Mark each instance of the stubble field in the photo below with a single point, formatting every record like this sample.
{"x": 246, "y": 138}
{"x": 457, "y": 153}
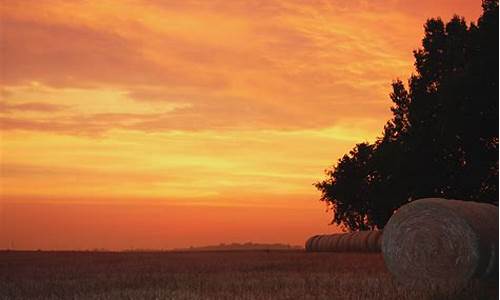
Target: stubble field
{"x": 208, "y": 275}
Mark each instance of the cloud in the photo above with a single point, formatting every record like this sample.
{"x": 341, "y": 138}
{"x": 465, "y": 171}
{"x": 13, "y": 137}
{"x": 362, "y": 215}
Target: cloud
{"x": 223, "y": 65}
{"x": 84, "y": 125}
{"x": 66, "y": 55}
{"x": 51, "y": 125}
{"x": 31, "y": 106}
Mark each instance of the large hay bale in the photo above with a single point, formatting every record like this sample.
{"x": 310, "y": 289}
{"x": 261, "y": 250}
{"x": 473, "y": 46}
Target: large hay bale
{"x": 444, "y": 243}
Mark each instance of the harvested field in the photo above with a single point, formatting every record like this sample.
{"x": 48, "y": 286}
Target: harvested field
{"x": 208, "y": 275}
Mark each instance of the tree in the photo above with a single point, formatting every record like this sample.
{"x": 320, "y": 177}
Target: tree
{"x": 442, "y": 140}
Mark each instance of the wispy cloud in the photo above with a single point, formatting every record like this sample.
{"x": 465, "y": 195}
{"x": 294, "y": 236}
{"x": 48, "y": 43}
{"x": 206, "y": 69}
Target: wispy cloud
{"x": 261, "y": 64}
{"x": 6, "y": 107}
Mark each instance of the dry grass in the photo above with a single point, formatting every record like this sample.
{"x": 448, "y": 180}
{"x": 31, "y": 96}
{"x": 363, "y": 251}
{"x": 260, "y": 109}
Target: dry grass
{"x": 207, "y": 275}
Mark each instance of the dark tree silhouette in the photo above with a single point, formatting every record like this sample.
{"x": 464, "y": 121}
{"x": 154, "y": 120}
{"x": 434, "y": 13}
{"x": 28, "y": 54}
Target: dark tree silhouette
{"x": 442, "y": 140}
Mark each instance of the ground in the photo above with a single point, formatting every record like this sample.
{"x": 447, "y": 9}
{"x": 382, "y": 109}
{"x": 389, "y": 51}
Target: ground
{"x": 208, "y": 275}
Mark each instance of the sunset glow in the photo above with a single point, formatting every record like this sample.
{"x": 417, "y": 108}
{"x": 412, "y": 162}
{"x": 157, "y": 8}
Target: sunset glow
{"x": 127, "y": 124}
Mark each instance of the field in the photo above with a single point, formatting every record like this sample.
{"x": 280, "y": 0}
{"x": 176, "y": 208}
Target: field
{"x": 207, "y": 275}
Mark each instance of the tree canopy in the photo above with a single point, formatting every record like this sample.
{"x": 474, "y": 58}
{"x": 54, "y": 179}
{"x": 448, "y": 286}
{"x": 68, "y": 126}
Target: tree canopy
{"x": 442, "y": 140}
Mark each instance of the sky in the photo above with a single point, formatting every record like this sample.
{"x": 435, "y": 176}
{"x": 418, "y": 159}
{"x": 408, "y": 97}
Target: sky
{"x": 169, "y": 124}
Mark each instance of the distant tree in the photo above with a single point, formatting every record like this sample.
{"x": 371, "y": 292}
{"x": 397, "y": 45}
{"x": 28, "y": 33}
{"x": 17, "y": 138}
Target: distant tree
{"x": 442, "y": 140}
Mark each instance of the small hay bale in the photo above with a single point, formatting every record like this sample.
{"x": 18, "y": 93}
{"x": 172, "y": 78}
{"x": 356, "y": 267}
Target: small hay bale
{"x": 358, "y": 241}
{"x": 309, "y": 242}
{"x": 322, "y": 243}
{"x": 332, "y": 242}
{"x": 378, "y": 245}
{"x": 366, "y": 241}
{"x": 319, "y": 243}
{"x": 345, "y": 246}
{"x": 314, "y": 243}
{"x": 361, "y": 241}
{"x": 372, "y": 241}
{"x": 442, "y": 243}
{"x": 341, "y": 243}
{"x": 325, "y": 243}
{"x": 354, "y": 241}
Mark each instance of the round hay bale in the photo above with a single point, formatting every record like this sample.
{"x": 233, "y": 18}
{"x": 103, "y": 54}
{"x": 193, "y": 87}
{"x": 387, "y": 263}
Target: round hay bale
{"x": 354, "y": 241}
{"x": 361, "y": 241}
{"x": 309, "y": 242}
{"x": 359, "y": 244}
{"x": 314, "y": 243}
{"x": 372, "y": 241}
{"x": 344, "y": 242}
{"x": 378, "y": 246}
{"x": 340, "y": 243}
{"x": 319, "y": 243}
{"x": 351, "y": 240}
{"x": 442, "y": 243}
{"x": 325, "y": 240}
{"x": 367, "y": 237}
{"x": 325, "y": 243}
{"x": 336, "y": 242}
{"x": 329, "y": 244}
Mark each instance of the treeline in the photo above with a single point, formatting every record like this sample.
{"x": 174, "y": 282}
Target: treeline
{"x": 442, "y": 140}
{"x": 238, "y": 246}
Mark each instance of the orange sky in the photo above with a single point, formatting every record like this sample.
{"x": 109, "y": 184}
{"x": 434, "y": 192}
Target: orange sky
{"x": 128, "y": 124}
